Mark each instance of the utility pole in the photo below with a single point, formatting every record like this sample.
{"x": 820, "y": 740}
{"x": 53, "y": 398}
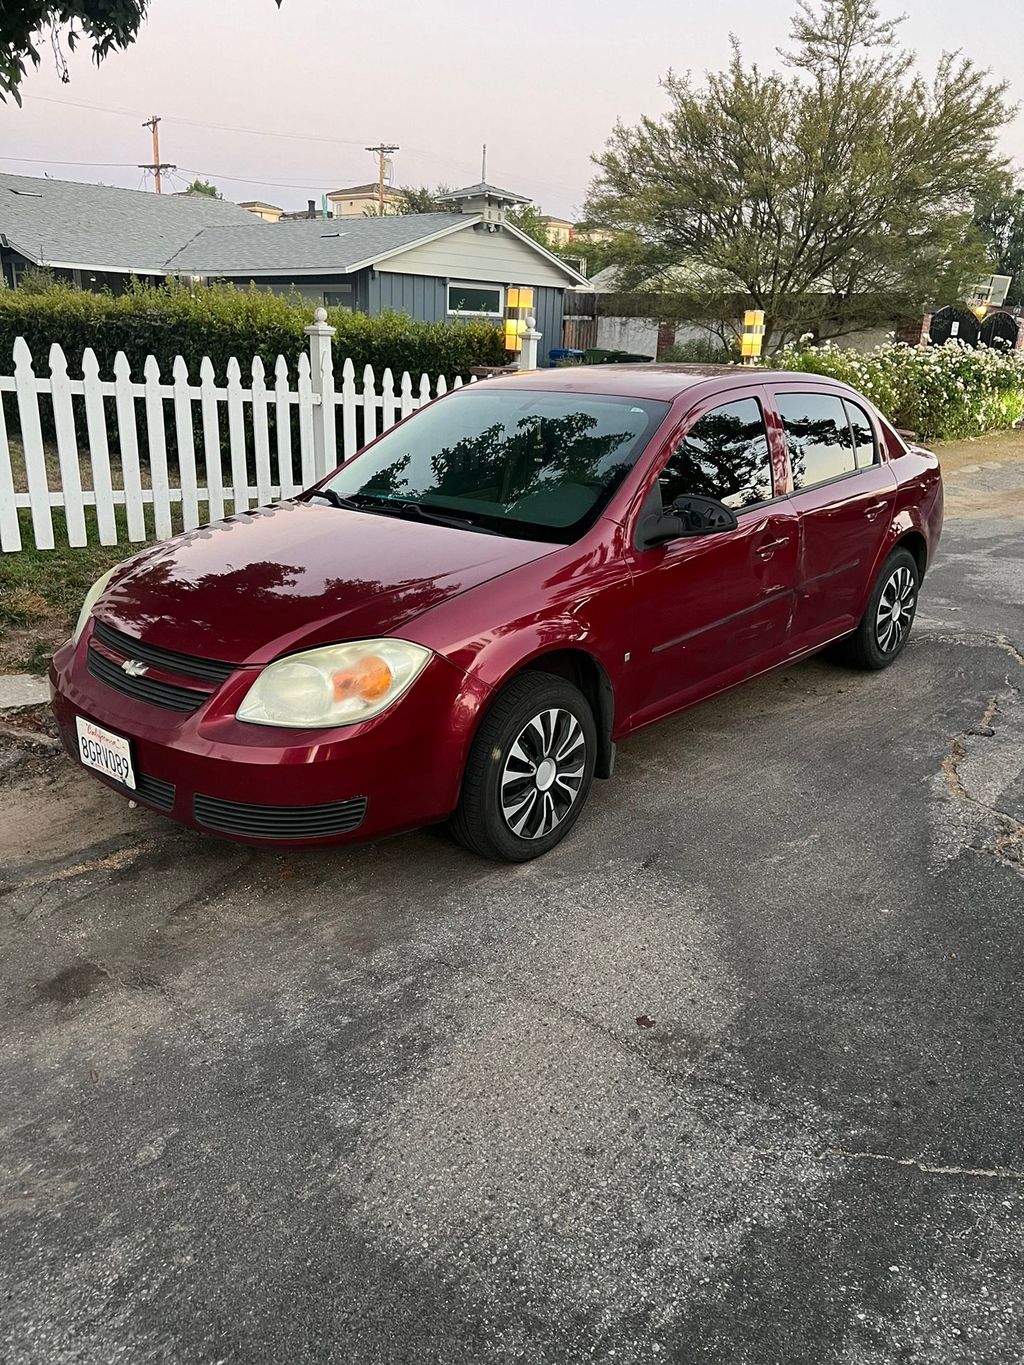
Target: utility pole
{"x": 156, "y": 165}
{"x": 382, "y": 151}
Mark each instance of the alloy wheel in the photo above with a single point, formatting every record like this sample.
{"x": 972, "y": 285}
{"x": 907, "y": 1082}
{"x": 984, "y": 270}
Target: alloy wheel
{"x": 543, "y": 773}
{"x": 895, "y": 609}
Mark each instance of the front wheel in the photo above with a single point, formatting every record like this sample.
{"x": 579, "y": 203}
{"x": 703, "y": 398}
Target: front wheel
{"x": 885, "y": 626}
{"x": 529, "y": 771}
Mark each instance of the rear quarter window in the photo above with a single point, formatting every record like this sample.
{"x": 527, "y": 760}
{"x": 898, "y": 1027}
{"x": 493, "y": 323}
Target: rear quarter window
{"x": 865, "y": 448}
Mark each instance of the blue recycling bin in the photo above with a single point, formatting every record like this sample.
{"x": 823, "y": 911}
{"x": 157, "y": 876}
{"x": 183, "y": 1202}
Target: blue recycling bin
{"x": 562, "y": 354}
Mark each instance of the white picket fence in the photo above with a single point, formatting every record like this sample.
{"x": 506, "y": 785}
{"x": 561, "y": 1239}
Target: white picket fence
{"x": 109, "y": 459}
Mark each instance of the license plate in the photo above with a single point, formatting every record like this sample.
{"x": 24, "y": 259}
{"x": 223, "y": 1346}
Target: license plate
{"x": 108, "y": 753}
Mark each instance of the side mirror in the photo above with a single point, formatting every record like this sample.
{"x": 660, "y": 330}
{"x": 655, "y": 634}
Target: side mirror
{"x": 688, "y": 516}
{"x": 704, "y": 516}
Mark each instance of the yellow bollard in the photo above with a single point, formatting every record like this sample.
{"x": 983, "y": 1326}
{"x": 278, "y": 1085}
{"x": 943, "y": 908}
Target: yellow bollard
{"x": 753, "y": 336}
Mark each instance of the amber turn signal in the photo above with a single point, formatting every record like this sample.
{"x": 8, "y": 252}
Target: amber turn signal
{"x": 369, "y": 679}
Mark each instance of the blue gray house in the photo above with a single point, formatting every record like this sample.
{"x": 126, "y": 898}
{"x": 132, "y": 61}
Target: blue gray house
{"x": 458, "y": 263}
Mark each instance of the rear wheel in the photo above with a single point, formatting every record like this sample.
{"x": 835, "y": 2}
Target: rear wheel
{"x": 885, "y": 626}
{"x": 529, "y": 771}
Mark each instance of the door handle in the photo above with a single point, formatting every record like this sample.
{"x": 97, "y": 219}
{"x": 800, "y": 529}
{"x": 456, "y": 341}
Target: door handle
{"x": 876, "y": 507}
{"x": 768, "y": 547}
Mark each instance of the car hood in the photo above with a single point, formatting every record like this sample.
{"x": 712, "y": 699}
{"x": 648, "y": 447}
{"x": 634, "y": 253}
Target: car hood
{"x": 255, "y": 585}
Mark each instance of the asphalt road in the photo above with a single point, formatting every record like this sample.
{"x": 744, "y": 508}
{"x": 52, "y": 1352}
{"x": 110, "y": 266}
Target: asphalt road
{"x": 734, "y": 1077}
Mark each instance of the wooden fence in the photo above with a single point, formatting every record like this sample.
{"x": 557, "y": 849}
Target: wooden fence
{"x": 175, "y": 455}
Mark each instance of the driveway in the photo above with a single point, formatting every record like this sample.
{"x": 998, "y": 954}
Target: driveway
{"x": 734, "y": 1076}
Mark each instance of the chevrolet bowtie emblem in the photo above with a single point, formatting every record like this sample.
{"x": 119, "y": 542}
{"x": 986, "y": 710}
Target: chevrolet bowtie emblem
{"x": 134, "y": 668}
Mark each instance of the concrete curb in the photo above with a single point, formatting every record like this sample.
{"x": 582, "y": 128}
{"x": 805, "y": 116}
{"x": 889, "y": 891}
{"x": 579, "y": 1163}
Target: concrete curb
{"x": 22, "y": 689}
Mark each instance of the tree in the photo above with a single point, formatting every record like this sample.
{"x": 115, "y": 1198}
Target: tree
{"x": 110, "y": 25}
{"x": 836, "y": 193}
{"x": 527, "y": 219}
{"x": 204, "y": 187}
{"x": 1001, "y": 223}
{"x": 420, "y": 199}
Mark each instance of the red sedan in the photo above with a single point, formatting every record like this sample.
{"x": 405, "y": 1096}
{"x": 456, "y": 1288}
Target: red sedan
{"x": 462, "y": 622}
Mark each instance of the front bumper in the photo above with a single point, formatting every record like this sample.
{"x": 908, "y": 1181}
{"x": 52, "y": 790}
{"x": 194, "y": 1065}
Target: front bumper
{"x": 260, "y": 784}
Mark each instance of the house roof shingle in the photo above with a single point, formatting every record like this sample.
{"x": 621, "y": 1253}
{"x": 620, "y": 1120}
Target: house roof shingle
{"x": 334, "y": 245}
{"x": 101, "y": 227}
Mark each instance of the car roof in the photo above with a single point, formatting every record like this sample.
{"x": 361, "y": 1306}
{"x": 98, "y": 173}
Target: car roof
{"x": 665, "y": 382}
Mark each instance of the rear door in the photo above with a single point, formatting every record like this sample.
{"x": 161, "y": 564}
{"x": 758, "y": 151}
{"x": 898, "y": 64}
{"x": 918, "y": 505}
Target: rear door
{"x": 843, "y": 492}
{"x": 712, "y": 609}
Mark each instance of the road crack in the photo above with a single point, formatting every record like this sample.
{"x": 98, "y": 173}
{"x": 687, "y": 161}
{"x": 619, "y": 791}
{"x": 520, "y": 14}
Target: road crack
{"x": 927, "y": 1168}
{"x": 968, "y": 638}
{"x": 1006, "y": 838}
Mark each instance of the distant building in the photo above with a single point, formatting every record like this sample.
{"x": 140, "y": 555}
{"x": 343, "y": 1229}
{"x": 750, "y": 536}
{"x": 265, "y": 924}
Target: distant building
{"x": 270, "y": 213}
{"x": 359, "y": 201}
{"x": 560, "y": 231}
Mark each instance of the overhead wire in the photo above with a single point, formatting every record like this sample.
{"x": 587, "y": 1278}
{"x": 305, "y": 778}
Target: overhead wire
{"x": 267, "y": 132}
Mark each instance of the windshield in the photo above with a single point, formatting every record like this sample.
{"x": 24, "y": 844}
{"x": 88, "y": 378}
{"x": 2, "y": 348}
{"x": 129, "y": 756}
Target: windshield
{"x": 525, "y": 463}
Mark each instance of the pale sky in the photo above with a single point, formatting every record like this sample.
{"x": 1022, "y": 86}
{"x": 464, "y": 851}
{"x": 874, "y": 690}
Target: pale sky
{"x": 540, "y": 81}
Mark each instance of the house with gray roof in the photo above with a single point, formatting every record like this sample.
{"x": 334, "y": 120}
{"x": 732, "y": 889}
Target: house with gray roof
{"x": 98, "y": 235}
{"x": 434, "y": 266}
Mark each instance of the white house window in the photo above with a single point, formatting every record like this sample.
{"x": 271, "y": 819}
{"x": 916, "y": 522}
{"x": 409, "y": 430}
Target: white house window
{"x": 476, "y": 300}
{"x": 339, "y": 297}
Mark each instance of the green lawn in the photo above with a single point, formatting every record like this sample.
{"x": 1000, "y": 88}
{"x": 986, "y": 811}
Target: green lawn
{"x": 41, "y": 591}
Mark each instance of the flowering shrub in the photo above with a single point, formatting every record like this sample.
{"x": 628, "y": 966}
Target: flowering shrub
{"x": 941, "y": 393}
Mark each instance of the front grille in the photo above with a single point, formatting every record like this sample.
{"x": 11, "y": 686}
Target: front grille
{"x": 188, "y": 665}
{"x": 279, "y": 822}
{"x": 167, "y": 695}
{"x": 154, "y": 790}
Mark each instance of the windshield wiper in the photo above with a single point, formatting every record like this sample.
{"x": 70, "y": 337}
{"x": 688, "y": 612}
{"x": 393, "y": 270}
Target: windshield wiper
{"x": 388, "y": 507}
{"x": 416, "y": 509}
{"x": 336, "y": 500}
{"x": 361, "y": 502}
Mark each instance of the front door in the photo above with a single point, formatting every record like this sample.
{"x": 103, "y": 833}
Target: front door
{"x": 713, "y": 609}
{"x": 843, "y": 495}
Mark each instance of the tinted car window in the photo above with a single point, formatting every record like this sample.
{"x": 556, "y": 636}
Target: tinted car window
{"x": 724, "y": 455}
{"x": 527, "y": 463}
{"x": 863, "y": 435}
{"x": 818, "y": 435}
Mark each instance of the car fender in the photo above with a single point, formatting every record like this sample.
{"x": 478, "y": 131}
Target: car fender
{"x": 580, "y": 602}
{"x": 903, "y": 523}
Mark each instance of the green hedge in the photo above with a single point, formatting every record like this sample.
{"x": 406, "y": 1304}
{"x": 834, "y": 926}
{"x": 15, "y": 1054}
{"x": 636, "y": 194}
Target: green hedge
{"x": 224, "y": 321}
{"x": 942, "y": 393}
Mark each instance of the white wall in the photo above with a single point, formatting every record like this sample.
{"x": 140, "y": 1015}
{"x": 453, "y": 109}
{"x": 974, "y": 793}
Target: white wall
{"x": 639, "y": 336}
{"x": 866, "y": 340}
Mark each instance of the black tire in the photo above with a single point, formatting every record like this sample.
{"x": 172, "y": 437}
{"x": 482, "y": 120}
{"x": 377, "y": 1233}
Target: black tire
{"x": 885, "y": 628}
{"x": 559, "y": 721}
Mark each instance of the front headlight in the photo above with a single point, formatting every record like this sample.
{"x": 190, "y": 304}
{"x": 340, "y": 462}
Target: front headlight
{"x": 91, "y": 598}
{"x": 335, "y": 685}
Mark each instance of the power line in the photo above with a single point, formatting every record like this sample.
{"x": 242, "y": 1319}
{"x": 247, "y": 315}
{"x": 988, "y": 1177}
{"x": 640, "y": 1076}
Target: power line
{"x": 198, "y": 123}
{"x": 52, "y": 161}
{"x": 267, "y": 132}
{"x": 132, "y": 165}
{"x": 262, "y": 180}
